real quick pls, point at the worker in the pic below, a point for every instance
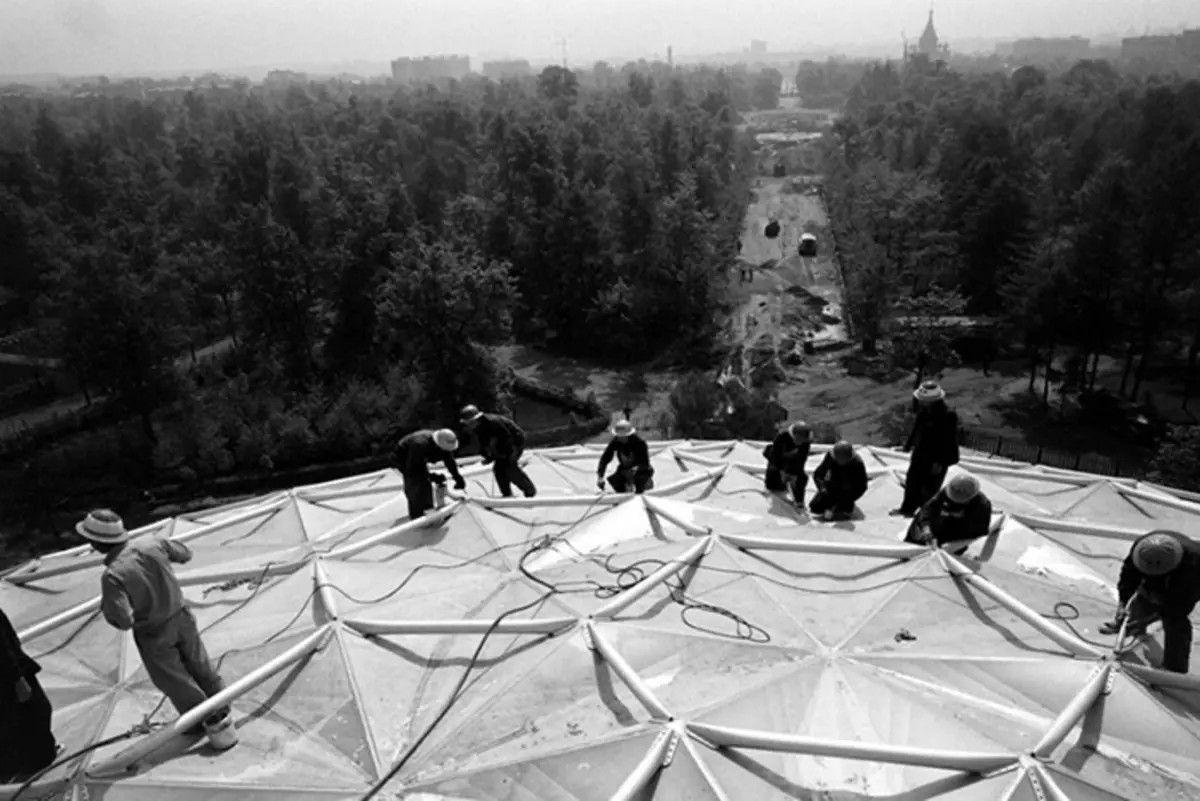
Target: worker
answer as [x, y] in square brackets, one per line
[501, 442]
[139, 592]
[1161, 577]
[27, 744]
[634, 471]
[933, 444]
[957, 514]
[841, 480]
[787, 457]
[412, 456]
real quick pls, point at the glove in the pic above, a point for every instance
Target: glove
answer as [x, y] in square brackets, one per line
[438, 478]
[459, 484]
[600, 482]
[925, 535]
[23, 690]
[1111, 627]
[488, 460]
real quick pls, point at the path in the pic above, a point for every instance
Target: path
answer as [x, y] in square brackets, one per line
[13, 425]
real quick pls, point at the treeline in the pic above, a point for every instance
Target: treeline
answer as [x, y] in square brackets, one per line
[356, 255]
[1066, 205]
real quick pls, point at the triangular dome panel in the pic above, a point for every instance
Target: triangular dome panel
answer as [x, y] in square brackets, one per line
[934, 614]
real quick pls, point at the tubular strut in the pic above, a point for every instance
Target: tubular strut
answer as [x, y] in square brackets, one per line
[1063, 638]
[128, 758]
[625, 671]
[969, 762]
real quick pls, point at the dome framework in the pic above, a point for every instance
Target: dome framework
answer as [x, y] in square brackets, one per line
[703, 641]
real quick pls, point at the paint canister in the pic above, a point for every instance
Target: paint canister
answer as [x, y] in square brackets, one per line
[221, 732]
[439, 496]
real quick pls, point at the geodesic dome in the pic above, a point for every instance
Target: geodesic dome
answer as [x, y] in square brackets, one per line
[703, 641]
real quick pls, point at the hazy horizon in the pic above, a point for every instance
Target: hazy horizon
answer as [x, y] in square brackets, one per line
[149, 37]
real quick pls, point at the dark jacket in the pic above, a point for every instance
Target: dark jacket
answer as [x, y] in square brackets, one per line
[786, 455]
[499, 437]
[630, 452]
[14, 662]
[953, 522]
[1177, 592]
[934, 436]
[414, 453]
[849, 478]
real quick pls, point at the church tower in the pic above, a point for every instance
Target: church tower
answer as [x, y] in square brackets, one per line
[928, 45]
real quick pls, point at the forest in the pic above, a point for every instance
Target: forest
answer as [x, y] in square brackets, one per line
[1066, 206]
[349, 256]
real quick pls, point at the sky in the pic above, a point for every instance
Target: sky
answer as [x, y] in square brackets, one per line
[115, 37]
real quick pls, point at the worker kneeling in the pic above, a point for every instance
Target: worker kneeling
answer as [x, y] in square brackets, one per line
[841, 480]
[412, 456]
[1160, 580]
[634, 471]
[957, 514]
[787, 457]
[139, 592]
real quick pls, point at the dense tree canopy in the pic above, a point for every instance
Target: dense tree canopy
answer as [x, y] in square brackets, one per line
[1066, 204]
[356, 250]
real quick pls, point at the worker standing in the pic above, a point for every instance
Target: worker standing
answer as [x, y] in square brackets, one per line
[1161, 577]
[634, 471]
[956, 515]
[841, 480]
[787, 457]
[27, 743]
[139, 592]
[412, 456]
[501, 442]
[933, 444]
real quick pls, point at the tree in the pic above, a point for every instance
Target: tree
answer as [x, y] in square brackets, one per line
[441, 303]
[924, 330]
[767, 86]
[1177, 463]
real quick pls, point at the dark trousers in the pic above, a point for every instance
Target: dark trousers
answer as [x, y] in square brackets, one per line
[640, 478]
[1177, 631]
[833, 499]
[27, 743]
[920, 485]
[419, 491]
[778, 481]
[508, 473]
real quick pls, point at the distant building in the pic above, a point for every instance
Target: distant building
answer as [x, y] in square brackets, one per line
[1071, 48]
[281, 79]
[758, 47]
[929, 45]
[1151, 48]
[430, 68]
[510, 68]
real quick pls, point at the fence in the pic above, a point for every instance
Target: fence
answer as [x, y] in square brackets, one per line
[1017, 450]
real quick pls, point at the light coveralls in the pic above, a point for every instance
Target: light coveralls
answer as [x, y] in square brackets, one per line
[139, 591]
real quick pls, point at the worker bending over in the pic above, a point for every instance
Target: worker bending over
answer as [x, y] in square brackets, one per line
[501, 442]
[787, 457]
[27, 743]
[634, 471]
[412, 456]
[1161, 576]
[957, 514]
[933, 443]
[139, 592]
[841, 480]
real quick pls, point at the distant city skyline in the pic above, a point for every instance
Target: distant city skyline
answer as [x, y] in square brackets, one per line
[149, 38]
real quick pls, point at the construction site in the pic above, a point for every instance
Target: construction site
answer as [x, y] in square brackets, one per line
[700, 641]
